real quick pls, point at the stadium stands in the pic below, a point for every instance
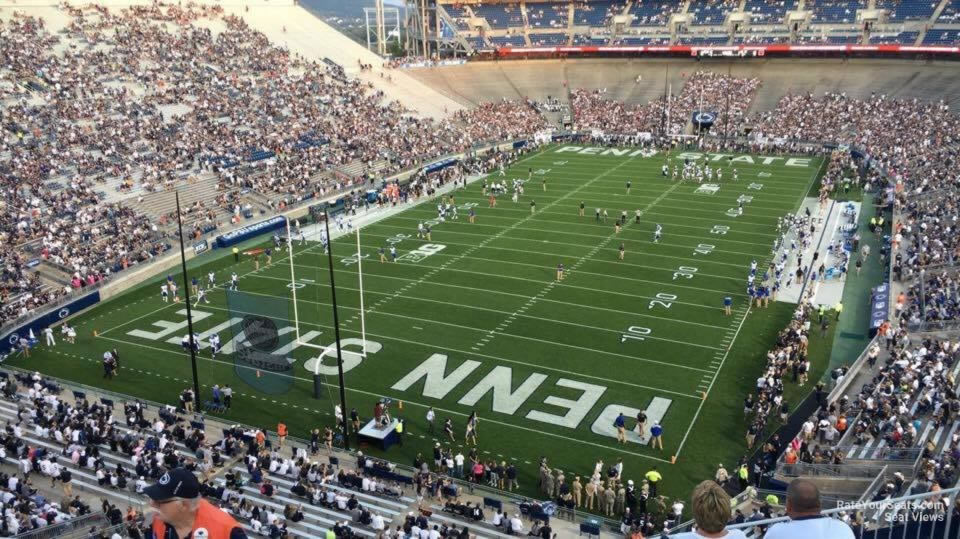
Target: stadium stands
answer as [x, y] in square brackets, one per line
[938, 36]
[504, 41]
[499, 16]
[548, 15]
[703, 40]
[548, 39]
[768, 11]
[835, 11]
[653, 12]
[908, 10]
[950, 13]
[711, 12]
[596, 13]
[902, 38]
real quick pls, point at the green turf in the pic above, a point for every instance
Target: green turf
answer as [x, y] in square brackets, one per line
[490, 297]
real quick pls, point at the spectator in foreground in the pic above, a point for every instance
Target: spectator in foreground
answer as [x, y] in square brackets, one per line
[803, 508]
[711, 512]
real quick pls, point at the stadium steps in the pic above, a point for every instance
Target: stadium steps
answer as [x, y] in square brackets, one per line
[53, 273]
[85, 479]
[160, 203]
[353, 168]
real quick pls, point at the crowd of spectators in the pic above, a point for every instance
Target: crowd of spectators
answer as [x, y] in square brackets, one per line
[727, 96]
[76, 119]
[502, 120]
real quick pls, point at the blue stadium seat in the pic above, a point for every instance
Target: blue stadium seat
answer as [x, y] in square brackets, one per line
[594, 13]
[908, 10]
[504, 41]
[767, 11]
[950, 13]
[548, 39]
[938, 36]
[903, 38]
[654, 12]
[711, 12]
[835, 11]
[500, 17]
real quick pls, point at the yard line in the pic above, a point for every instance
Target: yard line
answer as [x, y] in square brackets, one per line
[705, 306]
[467, 252]
[165, 305]
[595, 225]
[421, 405]
[668, 270]
[596, 236]
[664, 222]
[524, 296]
[375, 310]
[736, 333]
[420, 343]
[498, 311]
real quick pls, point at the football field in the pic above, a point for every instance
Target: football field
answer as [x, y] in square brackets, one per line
[475, 319]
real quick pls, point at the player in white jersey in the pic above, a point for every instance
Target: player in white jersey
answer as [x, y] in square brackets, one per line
[214, 345]
[753, 266]
[211, 280]
[164, 293]
[201, 296]
[656, 233]
[233, 281]
[420, 230]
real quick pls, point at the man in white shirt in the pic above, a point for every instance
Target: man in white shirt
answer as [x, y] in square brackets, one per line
[803, 508]
[516, 525]
[377, 522]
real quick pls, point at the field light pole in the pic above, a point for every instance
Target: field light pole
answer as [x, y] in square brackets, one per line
[336, 332]
[186, 295]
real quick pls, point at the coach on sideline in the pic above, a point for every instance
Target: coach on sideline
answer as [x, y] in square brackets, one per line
[182, 514]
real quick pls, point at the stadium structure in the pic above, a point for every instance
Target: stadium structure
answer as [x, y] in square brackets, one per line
[547, 272]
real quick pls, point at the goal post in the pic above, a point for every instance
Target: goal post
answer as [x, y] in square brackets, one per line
[296, 284]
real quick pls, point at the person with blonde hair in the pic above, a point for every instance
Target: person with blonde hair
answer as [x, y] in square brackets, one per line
[711, 512]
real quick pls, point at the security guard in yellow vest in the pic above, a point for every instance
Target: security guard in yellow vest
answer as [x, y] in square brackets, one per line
[399, 429]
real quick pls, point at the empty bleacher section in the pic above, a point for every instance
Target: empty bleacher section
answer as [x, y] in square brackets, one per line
[768, 11]
[908, 10]
[654, 12]
[711, 12]
[834, 11]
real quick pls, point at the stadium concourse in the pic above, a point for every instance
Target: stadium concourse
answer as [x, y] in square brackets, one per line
[98, 131]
